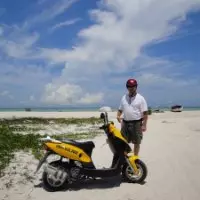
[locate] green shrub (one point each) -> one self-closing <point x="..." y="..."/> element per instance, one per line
<point x="149" y="111"/>
<point x="11" y="142"/>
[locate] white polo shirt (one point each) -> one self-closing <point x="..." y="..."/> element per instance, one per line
<point x="133" y="107"/>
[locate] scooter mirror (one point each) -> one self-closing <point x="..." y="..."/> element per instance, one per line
<point x="102" y="116"/>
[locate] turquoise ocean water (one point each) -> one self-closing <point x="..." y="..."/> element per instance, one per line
<point x="184" y="108"/>
<point x="79" y="109"/>
<point x="48" y="109"/>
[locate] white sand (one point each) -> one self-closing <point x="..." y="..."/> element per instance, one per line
<point x="170" y="149"/>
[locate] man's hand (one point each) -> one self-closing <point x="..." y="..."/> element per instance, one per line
<point x="119" y="112"/>
<point x="144" y="128"/>
<point x="144" y="123"/>
<point x="119" y="119"/>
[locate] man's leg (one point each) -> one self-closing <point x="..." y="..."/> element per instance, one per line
<point x="125" y="131"/>
<point x="136" y="149"/>
<point x="137" y="138"/>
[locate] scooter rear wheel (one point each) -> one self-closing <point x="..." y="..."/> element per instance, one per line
<point x="130" y="177"/>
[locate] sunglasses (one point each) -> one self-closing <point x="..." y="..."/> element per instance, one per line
<point x="129" y="87"/>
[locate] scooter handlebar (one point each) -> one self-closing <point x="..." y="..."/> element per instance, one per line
<point x="104" y="128"/>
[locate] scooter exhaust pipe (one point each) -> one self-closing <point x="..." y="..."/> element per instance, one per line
<point x="55" y="173"/>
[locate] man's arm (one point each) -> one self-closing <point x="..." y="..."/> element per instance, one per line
<point x="119" y="112"/>
<point x="144" y="122"/>
<point x="144" y="109"/>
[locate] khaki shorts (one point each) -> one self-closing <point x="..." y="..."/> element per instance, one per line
<point x="132" y="131"/>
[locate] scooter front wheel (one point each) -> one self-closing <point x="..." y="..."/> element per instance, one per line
<point x="129" y="175"/>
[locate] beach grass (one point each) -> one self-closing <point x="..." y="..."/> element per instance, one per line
<point x="11" y="142"/>
<point x="36" y="120"/>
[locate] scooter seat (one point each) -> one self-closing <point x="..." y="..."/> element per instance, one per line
<point x="86" y="146"/>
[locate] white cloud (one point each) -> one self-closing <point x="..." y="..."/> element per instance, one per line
<point x="21" y="48"/>
<point x="32" y="98"/>
<point x="116" y="39"/>
<point x="68" y="94"/>
<point x="23" y="75"/>
<point x="123" y="29"/>
<point x="16" y="43"/>
<point x="51" y="12"/>
<point x="24" y="82"/>
<point x="91" y="98"/>
<point x="40" y="2"/>
<point x="61" y="94"/>
<point x="161" y="81"/>
<point x="6" y="94"/>
<point x="65" y="23"/>
<point x="112" y="45"/>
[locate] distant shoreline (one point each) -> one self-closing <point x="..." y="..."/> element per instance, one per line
<point x="81" y="109"/>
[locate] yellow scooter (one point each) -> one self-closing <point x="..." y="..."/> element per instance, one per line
<point x="76" y="163"/>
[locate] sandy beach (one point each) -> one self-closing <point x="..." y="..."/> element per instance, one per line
<point x="170" y="149"/>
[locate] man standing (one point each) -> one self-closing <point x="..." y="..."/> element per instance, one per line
<point x="133" y="106"/>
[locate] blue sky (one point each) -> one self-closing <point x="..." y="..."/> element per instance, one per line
<point x="80" y="53"/>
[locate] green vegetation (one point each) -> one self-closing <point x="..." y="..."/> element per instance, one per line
<point x="46" y="121"/>
<point x="149" y="110"/>
<point x="11" y="142"/>
<point x="20" y="128"/>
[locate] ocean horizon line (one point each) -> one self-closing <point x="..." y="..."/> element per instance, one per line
<point x="79" y="109"/>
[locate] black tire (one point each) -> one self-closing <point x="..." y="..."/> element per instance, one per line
<point x="135" y="179"/>
<point x="47" y="186"/>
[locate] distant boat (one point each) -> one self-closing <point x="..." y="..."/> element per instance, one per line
<point x="177" y="108"/>
<point x="27" y="109"/>
<point x="158" y="111"/>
